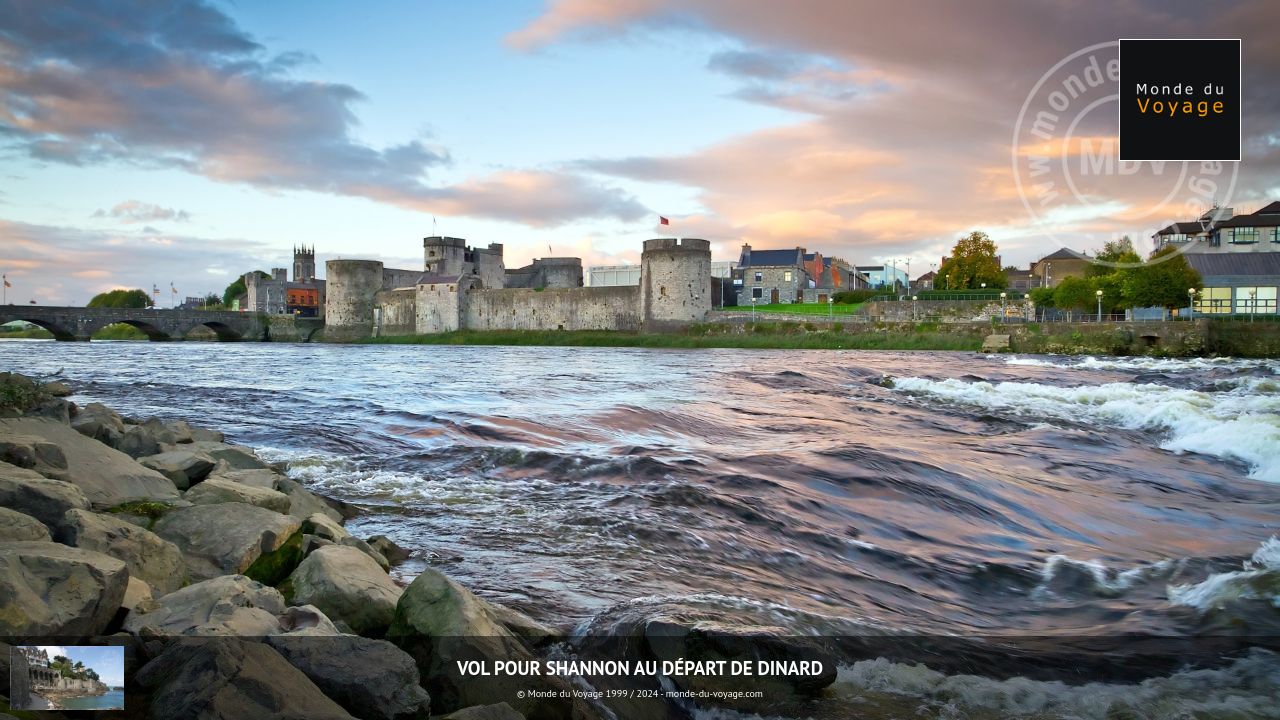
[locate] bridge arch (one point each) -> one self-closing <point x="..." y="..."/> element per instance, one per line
<point x="59" y="332"/>
<point x="152" y="332"/>
<point x="225" y="332"/>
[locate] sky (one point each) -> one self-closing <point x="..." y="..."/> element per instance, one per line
<point x="107" y="661"/>
<point x="184" y="143"/>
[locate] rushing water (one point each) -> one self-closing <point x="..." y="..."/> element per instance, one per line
<point x="971" y="495"/>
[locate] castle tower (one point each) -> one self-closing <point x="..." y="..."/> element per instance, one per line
<point x="445" y="255"/>
<point x="304" y="264"/>
<point x="675" y="281"/>
<point x="349" y="301"/>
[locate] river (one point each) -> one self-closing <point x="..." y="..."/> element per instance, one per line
<point x="827" y="492"/>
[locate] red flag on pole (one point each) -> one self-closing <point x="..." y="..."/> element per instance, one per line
<point x="663" y="221"/>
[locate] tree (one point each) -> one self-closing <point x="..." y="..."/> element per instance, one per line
<point x="1114" y="251"/>
<point x="1162" y="281"/>
<point x="121" y="298"/>
<point x="1074" y="293"/>
<point x="237" y="288"/>
<point x="972" y="263"/>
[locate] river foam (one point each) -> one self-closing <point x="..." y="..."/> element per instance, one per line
<point x="1238" y="424"/>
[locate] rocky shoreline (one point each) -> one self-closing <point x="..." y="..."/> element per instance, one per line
<point x="237" y="592"/>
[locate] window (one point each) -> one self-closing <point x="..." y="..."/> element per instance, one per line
<point x="786" y="276"/>
<point x="1214" y="300"/>
<point x="1256" y="300"/>
<point x="759" y="276"/>
<point x="1272" y="234"/>
<point x="757" y="293"/>
<point x="1244" y="235"/>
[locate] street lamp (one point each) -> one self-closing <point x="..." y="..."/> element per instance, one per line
<point x="1099" y="294"/>
<point x="1253" y="304"/>
<point x="753" y="309"/>
<point x="915" y="307"/>
<point x="1004" y="311"/>
<point x="1191" y="303"/>
<point x="1031" y="309"/>
<point x="831" y="307"/>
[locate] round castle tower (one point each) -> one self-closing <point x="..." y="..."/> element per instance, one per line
<point x="348" y="306"/>
<point x="675" y="281"/>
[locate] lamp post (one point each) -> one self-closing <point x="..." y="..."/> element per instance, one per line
<point x="1253" y="304"/>
<point x="1031" y="310"/>
<point x="908" y="276"/>
<point x="915" y="307"/>
<point x="753" y="309"/>
<point x="1004" y="311"/>
<point x="1099" y="294"/>
<point x="1191" y="303"/>
<point x="831" y="308"/>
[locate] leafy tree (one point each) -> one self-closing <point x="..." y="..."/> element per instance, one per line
<point x="237" y="288"/>
<point x="1074" y="293"/>
<point x="1114" y="251"/>
<point x="972" y="262"/>
<point x="1042" y="296"/>
<point x="121" y="298"/>
<point x="1162" y="281"/>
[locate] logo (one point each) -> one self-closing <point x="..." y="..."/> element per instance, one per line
<point x="1069" y="174"/>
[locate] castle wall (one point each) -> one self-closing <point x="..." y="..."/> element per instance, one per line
<point x="490" y="266"/>
<point x="547" y="273"/>
<point x="437" y="308"/>
<point x="393" y="278"/>
<point x="395" y="312"/>
<point x="610" y="308"/>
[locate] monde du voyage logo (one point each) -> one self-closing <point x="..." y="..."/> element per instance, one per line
<point x="1180" y="100"/>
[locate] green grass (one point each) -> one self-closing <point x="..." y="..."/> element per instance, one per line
<point x="119" y="331"/>
<point x="798" y="308"/>
<point x="778" y="336"/>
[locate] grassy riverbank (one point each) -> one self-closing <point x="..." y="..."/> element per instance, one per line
<point x="777" y="336"/>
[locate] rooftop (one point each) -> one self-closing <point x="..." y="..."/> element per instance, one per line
<point x="1253" y="263"/>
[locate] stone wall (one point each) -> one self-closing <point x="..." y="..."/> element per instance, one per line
<point x="546" y="273"/>
<point x="349" y="304"/>
<point x="606" y="308"/>
<point x="944" y="310"/>
<point x="437" y="308"/>
<point x="395" y="312"/>
<point x="394" y="278"/>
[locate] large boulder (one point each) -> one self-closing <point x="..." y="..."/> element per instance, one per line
<point x="501" y="711"/>
<point x="52" y="589"/>
<point x="101" y="423"/>
<point x="323" y="526"/>
<point x="372" y="679"/>
<point x="108" y="477"/>
<point x="19" y="526"/>
<point x="225" y="678"/>
<point x="149" y="557"/>
<point x="364" y="547"/>
<point x="439" y="623"/>
<point x="303" y="503"/>
<point x="264" y="479"/>
<point x="388" y="549"/>
<point x="234" y="538"/>
<point x="348" y="586"/>
<point x="217" y="490"/>
<point x="34" y="453"/>
<point x="236" y="457"/>
<point x="199" y="434"/>
<point x="225" y="605"/>
<point x="29" y="492"/>
<point x="183" y="468"/>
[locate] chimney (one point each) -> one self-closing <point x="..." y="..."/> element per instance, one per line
<point x="745" y="258"/>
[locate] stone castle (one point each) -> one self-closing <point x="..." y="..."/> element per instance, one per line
<point x="277" y="295"/>
<point x="464" y="288"/>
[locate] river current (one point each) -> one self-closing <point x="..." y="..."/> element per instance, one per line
<point x="841" y="493"/>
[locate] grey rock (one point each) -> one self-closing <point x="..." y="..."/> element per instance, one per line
<point x="501" y="711"/>
<point x="136" y="441"/>
<point x="149" y="557"/>
<point x="20" y="526"/>
<point x="52" y="589"/>
<point x="372" y="679"/>
<point x="199" y="434"/>
<point x="34" y="453"/>
<point x="348" y="586"/>
<point x="55" y="409"/>
<point x="226" y="678"/>
<point x="323" y="526"/>
<point x="31" y="493"/>
<point x="265" y="479"/>
<point x="225" y="538"/>
<point x="364" y="547"/>
<point x="389" y="549"/>
<point x="107" y="477"/>
<point x="182" y="467"/>
<point x="218" y="490"/>
<point x="439" y="622"/>
<point x="225" y="605"/>
<point x="307" y="621"/>
<point x="236" y="457"/>
<point x="99" y="422"/>
<point x="303" y="503"/>
<point x="57" y="388"/>
<point x="181" y="431"/>
<point x="536" y="633"/>
<point x="136" y="593"/>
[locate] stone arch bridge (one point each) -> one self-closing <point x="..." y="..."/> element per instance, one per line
<point x="80" y="323"/>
